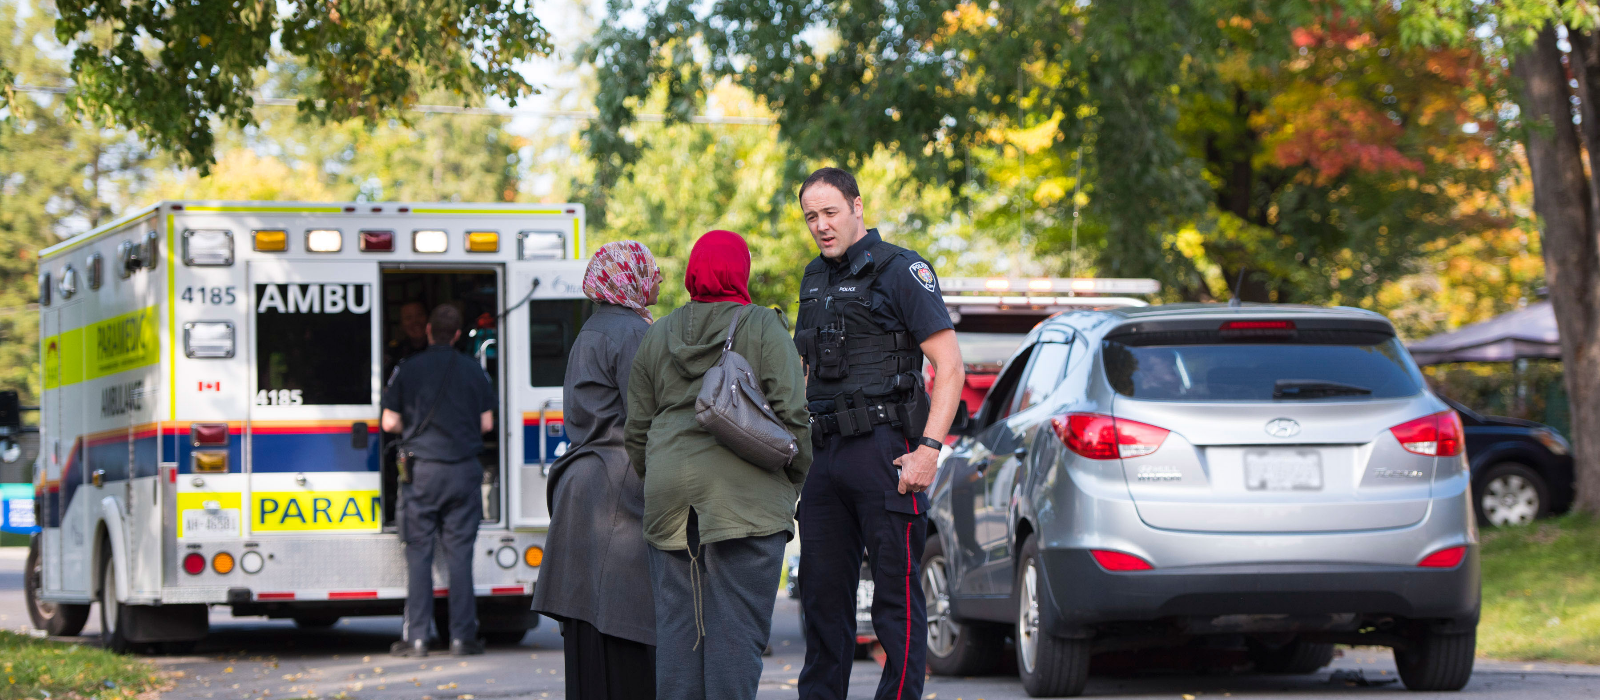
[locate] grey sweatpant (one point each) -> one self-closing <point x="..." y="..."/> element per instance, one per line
<point x="738" y="585"/>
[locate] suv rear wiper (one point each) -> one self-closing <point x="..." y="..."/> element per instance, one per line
<point x="1313" y="389"/>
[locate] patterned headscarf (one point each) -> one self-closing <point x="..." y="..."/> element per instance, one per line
<point x="622" y="273"/>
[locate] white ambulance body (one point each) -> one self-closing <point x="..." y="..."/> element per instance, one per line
<point x="209" y="419"/>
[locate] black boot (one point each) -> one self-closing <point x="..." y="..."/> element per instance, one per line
<point x="465" y="647"/>
<point x="416" y="647"/>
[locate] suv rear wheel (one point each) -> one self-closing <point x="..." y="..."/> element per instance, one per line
<point x="1050" y="666"/>
<point x="56" y="619"/>
<point x="1437" y="660"/>
<point x="954" y="648"/>
<point x="1511" y="494"/>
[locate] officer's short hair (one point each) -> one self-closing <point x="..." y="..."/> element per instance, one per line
<point x="837" y="178"/>
<point x="446" y="320"/>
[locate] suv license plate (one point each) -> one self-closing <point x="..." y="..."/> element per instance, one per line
<point x="211" y="522"/>
<point x="1283" y="470"/>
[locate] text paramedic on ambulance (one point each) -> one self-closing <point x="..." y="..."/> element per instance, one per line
<point x="449" y="397"/>
<point x="869" y="312"/>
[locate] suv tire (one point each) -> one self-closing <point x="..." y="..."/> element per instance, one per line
<point x="56" y="619"/>
<point x="1438" y="660"/>
<point x="1050" y="666"/>
<point x="1296" y="657"/>
<point x="954" y="648"/>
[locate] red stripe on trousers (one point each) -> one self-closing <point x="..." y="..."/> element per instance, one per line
<point x="906" y="660"/>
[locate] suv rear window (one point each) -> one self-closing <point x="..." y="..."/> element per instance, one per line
<point x="1364" y="370"/>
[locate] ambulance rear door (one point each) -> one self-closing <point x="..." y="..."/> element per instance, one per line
<point x="313" y="430"/>
<point x="539" y="336"/>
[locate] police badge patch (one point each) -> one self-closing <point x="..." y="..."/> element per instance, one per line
<point x="924" y="274"/>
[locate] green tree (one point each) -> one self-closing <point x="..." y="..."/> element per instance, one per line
<point x="172" y="72"/>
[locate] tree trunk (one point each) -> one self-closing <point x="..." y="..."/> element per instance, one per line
<point x="1561" y="199"/>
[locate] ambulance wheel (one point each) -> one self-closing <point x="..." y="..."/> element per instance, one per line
<point x="315" y="622"/>
<point x="954" y="648"/>
<point x="113" y="632"/>
<point x="56" y="619"/>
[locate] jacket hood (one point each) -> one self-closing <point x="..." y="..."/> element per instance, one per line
<point x="696" y="333"/>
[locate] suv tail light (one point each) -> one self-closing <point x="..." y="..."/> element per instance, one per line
<point x="1444" y="559"/>
<point x="1112" y="560"/>
<point x="1437" y="435"/>
<point x="1099" y="436"/>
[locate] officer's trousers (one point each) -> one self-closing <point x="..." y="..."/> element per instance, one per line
<point x="850" y="503"/>
<point x="442" y="503"/>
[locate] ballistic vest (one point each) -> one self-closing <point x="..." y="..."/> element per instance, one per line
<point x="849" y="354"/>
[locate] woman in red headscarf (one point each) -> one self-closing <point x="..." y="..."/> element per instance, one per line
<point x="594" y="575"/>
<point x="716" y="524"/>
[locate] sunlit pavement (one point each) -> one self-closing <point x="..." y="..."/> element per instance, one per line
<point x="255" y="658"/>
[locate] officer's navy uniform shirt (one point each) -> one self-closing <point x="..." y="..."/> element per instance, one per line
<point x="454" y="434"/>
<point x="905" y="294"/>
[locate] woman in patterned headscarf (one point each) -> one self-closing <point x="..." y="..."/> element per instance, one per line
<point x="595" y="577"/>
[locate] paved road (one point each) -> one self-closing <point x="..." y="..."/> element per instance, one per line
<point x="258" y="659"/>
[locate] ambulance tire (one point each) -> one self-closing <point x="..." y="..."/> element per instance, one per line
<point x="315" y="622"/>
<point x="56" y="619"/>
<point x="113" y="621"/>
<point x="504" y="638"/>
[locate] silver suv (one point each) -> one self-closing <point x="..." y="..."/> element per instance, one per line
<point x="1277" y="478"/>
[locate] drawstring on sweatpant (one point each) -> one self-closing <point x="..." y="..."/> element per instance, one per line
<point x="692" y="541"/>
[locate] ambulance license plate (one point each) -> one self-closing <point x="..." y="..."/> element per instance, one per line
<point x="1283" y="470"/>
<point x="211" y="522"/>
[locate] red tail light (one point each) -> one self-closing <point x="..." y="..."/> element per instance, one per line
<point x="208" y="434"/>
<point x="194" y="563"/>
<point x="1099" y="436"/>
<point x="1256" y="330"/>
<point x="1437" y="435"/>
<point x="1444" y="558"/>
<point x="1119" y="561"/>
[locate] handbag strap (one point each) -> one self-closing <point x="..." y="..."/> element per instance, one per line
<point x="728" y="344"/>
<point x="437" y="394"/>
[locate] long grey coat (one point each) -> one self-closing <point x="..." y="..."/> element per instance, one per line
<point x="595" y="568"/>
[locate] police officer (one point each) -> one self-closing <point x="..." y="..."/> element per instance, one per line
<point x="869" y="313"/>
<point x="441" y="402"/>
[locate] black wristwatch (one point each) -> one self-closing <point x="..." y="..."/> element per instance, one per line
<point x="930" y="442"/>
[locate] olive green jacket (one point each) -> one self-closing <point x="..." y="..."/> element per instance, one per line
<point x="682" y="465"/>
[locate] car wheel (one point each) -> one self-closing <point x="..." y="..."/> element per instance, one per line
<point x="954" y="648"/>
<point x="1511" y="494"/>
<point x="56" y="619"/>
<point x="1437" y="660"/>
<point x="1050" y="666"/>
<point x="113" y="634"/>
<point x="1296" y="657"/>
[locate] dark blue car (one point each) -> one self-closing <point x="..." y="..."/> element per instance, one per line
<point x="1521" y="470"/>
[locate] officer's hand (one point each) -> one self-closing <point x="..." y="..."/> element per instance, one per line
<point x="917" y="469"/>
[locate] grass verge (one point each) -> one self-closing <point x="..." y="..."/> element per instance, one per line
<point x="1541" y="591"/>
<point x="41" y="669"/>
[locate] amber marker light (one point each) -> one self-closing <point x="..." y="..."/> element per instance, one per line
<point x="222" y="563"/>
<point x="533" y="556"/>
<point x="271" y="240"/>
<point x="483" y="241"/>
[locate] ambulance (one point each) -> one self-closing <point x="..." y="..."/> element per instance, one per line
<point x="209" y="416"/>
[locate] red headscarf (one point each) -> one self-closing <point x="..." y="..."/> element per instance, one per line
<point x="719" y="268"/>
<point x="622" y="273"/>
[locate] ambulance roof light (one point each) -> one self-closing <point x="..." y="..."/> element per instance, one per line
<point x="271" y="240"/>
<point x="207" y="248"/>
<point x="483" y="241"/>
<point x="377" y="241"/>
<point x="430" y="241"/>
<point x="1048" y="285"/>
<point x="324" y="240"/>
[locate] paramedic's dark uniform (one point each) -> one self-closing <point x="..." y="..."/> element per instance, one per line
<point x="862" y="322"/>
<point x="443" y="500"/>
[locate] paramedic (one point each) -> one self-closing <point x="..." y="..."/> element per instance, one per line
<point x="441" y="403"/>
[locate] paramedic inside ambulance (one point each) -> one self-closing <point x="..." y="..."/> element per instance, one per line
<point x="411" y="339"/>
<point x="441" y="403"/>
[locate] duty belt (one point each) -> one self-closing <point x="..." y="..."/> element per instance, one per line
<point x="848" y="421"/>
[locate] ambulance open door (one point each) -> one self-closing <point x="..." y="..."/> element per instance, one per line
<point x="539" y="337"/>
<point x="313" y="435"/>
